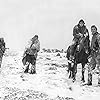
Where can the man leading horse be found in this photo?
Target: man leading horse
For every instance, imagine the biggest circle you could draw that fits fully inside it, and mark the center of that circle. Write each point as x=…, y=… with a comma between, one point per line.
x=95, y=55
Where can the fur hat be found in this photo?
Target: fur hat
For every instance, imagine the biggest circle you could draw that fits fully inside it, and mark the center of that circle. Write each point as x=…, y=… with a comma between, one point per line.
x=82, y=21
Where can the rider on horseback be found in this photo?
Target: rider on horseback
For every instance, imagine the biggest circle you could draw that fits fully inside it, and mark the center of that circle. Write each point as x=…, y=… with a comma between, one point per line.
x=79, y=55
x=80, y=32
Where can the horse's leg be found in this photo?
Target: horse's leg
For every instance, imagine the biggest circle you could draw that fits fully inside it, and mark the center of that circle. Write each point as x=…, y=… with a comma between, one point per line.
x=70, y=74
x=74, y=71
x=1, y=57
x=27, y=68
x=83, y=70
x=69, y=69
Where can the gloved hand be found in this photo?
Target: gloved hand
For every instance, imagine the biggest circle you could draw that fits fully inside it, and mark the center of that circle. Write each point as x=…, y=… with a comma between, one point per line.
x=86, y=34
x=80, y=34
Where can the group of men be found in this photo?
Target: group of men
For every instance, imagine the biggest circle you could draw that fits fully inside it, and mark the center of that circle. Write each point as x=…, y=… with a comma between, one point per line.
x=80, y=32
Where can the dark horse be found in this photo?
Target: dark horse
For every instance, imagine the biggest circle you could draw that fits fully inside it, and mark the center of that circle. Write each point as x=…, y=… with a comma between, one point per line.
x=79, y=56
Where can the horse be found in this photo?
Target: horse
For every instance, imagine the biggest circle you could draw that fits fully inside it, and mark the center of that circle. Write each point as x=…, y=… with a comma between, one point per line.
x=78, y=54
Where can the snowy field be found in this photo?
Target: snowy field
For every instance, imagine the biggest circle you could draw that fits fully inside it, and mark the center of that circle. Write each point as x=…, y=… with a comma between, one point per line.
x=49, y=83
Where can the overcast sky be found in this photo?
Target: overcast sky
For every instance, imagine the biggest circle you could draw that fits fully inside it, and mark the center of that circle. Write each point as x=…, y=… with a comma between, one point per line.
x=52, y=20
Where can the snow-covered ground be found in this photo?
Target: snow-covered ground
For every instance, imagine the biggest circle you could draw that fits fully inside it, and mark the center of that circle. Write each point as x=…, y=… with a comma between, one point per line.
x=50, y=83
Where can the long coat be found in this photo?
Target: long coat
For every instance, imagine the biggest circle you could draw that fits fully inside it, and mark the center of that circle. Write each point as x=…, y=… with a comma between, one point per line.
x=77, y=30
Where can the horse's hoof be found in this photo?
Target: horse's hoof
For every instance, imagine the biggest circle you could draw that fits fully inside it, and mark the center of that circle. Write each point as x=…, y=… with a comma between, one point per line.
x=33, y=72
x=83, y=81
x=89, y=84
x=26, y=71
x=73, y=80
x=69, y=77
x=98, y=83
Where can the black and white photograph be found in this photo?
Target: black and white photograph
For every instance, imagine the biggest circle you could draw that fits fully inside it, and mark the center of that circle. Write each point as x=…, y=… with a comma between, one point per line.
x=49, y=50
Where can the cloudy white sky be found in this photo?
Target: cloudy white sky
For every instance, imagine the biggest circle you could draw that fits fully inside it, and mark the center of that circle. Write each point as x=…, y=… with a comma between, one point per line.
x=52, y=20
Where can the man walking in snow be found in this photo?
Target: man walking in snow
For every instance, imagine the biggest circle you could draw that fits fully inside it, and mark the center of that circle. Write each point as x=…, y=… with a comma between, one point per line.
x=30, y=54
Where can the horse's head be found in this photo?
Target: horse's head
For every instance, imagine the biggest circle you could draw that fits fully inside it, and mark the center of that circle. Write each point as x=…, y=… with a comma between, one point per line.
x=71, y=52
x=84, y=45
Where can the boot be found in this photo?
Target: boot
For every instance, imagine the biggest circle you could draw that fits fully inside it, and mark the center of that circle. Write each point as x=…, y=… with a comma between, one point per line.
x=33, y=70
x=26, y=70
x=89, y=79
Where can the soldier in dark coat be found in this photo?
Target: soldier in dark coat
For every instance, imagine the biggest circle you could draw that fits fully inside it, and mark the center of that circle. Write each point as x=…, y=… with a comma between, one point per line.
x=80, y=32
x=95, y=54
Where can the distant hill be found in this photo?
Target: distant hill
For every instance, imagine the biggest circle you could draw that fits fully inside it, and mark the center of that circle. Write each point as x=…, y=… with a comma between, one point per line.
x=53, y=50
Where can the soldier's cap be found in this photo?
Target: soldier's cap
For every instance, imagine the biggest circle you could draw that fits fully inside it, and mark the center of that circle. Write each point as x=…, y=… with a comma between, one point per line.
x=36, y=36
x=2, y=39
x=93, y=26
x=82, y=21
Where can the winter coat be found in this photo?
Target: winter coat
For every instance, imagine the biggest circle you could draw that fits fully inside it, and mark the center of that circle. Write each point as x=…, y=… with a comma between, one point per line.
x=95, y=41
x=95, y=53
x=33, y=48
x=79, y=32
